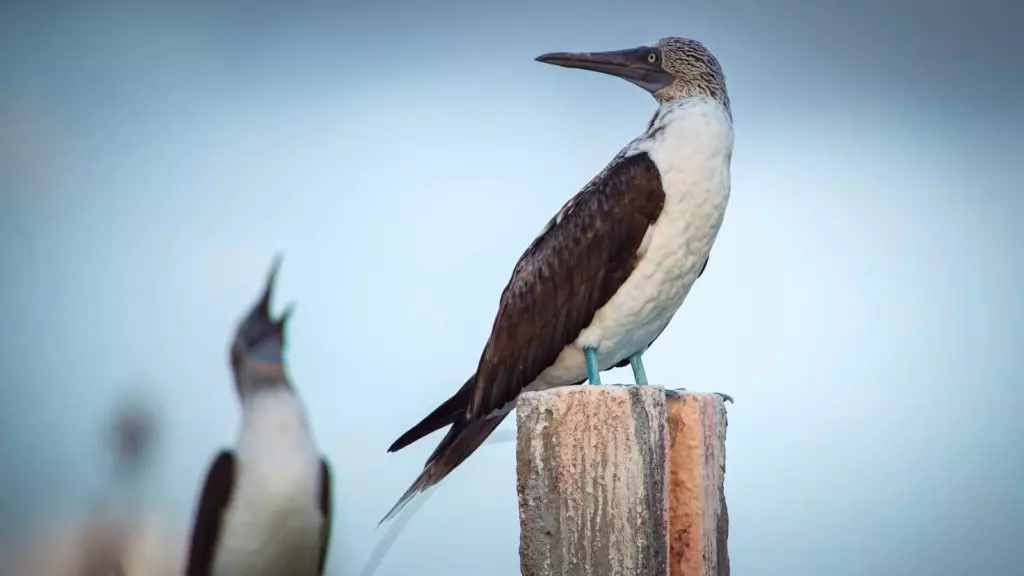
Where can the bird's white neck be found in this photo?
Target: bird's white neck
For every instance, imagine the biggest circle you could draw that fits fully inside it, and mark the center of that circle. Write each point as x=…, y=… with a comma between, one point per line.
x=274, y=411
x=684, y=129
x=674, y=110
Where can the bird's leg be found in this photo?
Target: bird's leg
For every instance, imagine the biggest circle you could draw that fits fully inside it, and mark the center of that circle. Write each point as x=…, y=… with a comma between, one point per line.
x=593, y=372
x=637, y=363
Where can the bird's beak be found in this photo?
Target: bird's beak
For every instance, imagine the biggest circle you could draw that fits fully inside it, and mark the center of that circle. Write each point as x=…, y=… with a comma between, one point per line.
x=631, y=64
x=259, y=329
x=286, y=314
x=259, y=315
x=263, y=307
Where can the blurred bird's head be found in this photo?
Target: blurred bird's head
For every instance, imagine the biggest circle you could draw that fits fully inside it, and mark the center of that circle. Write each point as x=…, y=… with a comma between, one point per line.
x=670, y=69
x=132, y=435
x=257, y=352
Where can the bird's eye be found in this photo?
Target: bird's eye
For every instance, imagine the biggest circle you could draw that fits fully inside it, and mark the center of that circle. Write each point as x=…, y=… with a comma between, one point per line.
x=652, y=57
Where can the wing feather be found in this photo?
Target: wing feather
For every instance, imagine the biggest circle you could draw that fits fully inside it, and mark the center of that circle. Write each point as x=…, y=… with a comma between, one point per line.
x=326, y=505
x=572, y=269
x=579, y=260
x=213, y=501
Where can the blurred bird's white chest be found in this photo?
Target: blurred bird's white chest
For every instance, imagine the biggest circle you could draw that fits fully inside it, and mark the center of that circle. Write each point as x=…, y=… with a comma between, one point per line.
x=273, y=524
x=691, y=144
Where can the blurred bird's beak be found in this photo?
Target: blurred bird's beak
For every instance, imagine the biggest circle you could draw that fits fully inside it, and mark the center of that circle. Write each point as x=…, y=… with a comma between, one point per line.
x=268, y=290
x=260, y=313
x=632, y=64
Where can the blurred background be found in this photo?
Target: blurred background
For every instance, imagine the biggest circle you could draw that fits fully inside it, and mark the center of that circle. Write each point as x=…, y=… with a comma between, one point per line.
x=862, y=303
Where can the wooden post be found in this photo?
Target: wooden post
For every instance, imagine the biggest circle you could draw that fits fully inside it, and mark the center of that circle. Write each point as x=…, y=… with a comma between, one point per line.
x=621, y=481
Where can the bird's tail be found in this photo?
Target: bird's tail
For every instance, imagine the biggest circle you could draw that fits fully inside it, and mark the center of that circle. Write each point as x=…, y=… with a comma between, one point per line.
x=461, y=440
x=450, y=411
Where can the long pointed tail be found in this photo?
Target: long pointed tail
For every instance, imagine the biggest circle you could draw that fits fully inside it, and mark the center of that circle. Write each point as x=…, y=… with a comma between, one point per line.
x=462, y=440
x=448, y=412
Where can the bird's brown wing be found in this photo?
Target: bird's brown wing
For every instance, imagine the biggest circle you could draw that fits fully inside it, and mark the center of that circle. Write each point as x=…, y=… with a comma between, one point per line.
x=569, y=272
x=326, y=508
x=212, y=503
x=571, y=269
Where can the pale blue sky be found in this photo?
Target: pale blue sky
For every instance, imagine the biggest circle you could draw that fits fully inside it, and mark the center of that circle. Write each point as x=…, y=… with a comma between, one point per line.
x=861, y=304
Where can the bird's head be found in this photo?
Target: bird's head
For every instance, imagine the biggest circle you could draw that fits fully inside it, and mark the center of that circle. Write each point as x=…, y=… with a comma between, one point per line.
x=132, y=436
x=257, y=352
x=670, y=69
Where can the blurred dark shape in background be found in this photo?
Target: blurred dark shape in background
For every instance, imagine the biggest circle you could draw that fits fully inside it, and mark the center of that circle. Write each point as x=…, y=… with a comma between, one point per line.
x=132, y=436
x=121, y=533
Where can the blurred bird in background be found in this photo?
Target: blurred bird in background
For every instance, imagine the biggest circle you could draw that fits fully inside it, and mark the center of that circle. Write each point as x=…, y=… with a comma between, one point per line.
x=121, y=535
x=265, y=506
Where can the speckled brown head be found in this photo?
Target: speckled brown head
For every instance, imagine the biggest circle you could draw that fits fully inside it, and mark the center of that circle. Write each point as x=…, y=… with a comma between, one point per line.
x=670, y=69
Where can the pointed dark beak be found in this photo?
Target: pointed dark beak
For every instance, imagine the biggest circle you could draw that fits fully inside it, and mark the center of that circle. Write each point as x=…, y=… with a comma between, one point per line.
x=259, y=334
x=263, y=306
x=286, y=314
x=259, y=320
x=632, y=64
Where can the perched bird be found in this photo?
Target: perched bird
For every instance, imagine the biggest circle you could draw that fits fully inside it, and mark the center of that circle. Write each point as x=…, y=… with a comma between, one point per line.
x=609, y=270
x=265, y=508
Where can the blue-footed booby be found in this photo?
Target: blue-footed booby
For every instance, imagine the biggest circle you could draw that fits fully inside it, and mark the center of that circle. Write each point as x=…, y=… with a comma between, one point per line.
x=265, y=507
x=606, y=274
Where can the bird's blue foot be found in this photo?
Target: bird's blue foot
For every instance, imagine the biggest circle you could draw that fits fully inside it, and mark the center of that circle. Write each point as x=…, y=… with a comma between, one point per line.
x=593, y=372
x=639, y=375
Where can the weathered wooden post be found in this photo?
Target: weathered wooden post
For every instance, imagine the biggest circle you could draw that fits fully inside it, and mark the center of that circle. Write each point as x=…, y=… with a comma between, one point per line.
x=622, y=481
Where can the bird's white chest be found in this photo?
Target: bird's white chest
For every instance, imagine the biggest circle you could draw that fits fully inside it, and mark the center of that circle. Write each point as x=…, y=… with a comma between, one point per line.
x=273, y=524
x=693, y=151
